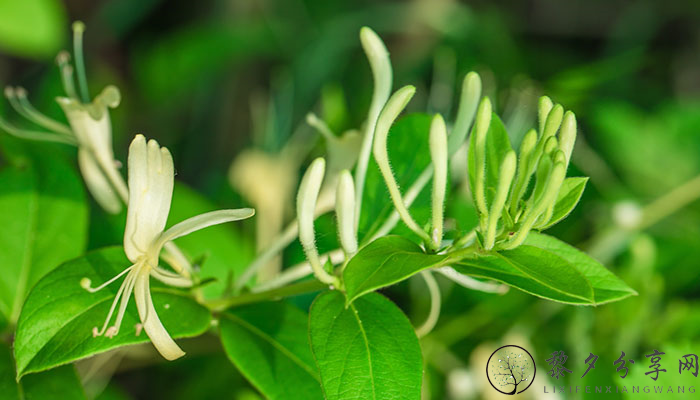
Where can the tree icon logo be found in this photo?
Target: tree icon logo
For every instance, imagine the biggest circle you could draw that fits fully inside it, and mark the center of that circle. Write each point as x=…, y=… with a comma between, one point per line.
x=511, y=369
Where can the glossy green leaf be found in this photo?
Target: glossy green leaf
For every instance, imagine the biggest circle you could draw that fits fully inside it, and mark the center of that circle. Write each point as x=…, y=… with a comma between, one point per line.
x=368, y=350
x=32, y=28
x=546, y=267
x=569, y=196
x=61, y=381
x=409, y=156
x=387, y=260
x=44, y=221
x=497, y=146
x=268, y=342
x=606, y=286
x=532, y=270
x=57, y=319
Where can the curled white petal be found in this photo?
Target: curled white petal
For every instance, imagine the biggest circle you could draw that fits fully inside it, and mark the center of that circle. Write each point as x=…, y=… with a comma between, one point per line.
x=97, y=182
x=155, y=330
x=151, y=178
x=202, y=221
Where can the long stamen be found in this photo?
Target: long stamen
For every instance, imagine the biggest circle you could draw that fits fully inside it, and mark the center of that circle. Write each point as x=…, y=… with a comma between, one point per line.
x=78, y=29
x=170, y=278
x=130, y=281
x=85, y=282
x=63, y=61
x=95, y=331
x=35, y=135
x=31, y=113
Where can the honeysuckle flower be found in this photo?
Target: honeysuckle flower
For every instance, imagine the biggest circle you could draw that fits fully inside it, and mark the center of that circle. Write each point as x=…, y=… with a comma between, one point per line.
x=151, y=177
x=90, y=127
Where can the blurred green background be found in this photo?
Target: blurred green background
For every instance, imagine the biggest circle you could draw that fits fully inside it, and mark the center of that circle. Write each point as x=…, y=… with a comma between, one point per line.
x=210, y=79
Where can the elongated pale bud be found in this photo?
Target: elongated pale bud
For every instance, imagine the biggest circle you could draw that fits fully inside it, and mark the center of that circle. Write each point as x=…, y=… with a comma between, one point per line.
x=380, y=64
x=505, y=178
x=481, y=127
x=558, y=158
x=567, y=135
x=526, y=166
x=551, y=145
x=550, y=129
x=438, y=153
x=553, y=122
x=345, y=212
x=391, y=111
x=551, y=191
x=543, y=170
x=306, y=205
x=544, y=107
x=468, y=101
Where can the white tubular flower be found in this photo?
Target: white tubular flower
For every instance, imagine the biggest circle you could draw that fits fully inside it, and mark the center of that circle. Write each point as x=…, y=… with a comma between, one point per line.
x=151, y=177
x=382, y=75
x=469, y=100
x=306, y=206
x=396, y=104
x=345, y=212
x=438, y=154
x=92, y=128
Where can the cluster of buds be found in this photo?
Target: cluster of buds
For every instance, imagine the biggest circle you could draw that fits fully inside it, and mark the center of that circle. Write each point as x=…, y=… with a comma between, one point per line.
x=89, y=126
x=507, y=200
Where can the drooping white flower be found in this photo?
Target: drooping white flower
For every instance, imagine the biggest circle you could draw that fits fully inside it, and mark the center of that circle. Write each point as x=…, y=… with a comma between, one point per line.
x=91, y=126
x=151, y=177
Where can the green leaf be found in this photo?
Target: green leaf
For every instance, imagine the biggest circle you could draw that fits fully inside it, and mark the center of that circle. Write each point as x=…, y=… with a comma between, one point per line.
x=387, y=260
x=409, y=156
x=32, y=28
x=366, y=351
x=546, y=267
x=497, y=146
x=532, y=270
x=606, y=286
x=57, y=319
x=569, y=196
x=46, y=385
x=268, y=343
x=44, y=223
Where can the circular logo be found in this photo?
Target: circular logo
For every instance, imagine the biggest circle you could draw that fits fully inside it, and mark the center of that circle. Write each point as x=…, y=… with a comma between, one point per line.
x=511, y=369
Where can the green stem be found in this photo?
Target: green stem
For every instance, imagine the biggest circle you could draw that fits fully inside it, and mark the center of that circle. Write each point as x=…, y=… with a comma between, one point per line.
x=670, y=203
x=287, y=291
